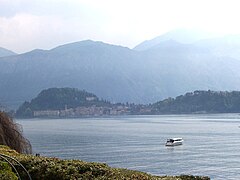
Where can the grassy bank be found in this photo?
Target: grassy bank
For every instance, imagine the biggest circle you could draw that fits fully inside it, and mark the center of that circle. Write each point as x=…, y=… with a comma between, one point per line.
x=41, y=168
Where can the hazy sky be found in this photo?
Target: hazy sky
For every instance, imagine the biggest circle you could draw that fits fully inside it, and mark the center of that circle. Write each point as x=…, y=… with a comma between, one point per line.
x=44, y=24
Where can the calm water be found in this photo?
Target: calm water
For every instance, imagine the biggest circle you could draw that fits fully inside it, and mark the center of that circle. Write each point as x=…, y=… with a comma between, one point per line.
x=211, y=146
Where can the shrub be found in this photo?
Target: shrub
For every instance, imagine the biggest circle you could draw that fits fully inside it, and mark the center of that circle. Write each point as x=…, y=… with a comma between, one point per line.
x=6, y=172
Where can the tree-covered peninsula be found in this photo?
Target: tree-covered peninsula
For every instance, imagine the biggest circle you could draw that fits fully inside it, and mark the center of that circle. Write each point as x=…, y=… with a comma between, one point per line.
x=53, y=100
x=69, y=102
x=199, y=102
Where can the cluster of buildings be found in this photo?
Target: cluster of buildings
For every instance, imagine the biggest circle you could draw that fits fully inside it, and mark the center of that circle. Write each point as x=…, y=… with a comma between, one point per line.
x=84, y=111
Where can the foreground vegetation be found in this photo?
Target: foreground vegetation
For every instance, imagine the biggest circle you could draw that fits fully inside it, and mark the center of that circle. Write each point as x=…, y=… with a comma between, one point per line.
x=53, y=168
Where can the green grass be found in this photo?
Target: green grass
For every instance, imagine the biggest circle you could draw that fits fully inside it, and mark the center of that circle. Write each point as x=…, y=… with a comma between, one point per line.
x=41, y=168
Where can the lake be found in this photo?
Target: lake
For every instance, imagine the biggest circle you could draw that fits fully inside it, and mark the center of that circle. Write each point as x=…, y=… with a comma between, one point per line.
x=211, y=142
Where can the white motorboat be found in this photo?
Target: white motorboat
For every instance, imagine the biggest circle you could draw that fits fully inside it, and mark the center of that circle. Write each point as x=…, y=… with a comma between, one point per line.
x=174, y=142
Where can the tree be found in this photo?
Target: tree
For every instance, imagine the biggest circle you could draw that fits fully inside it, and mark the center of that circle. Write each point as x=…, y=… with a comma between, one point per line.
x=11, y=135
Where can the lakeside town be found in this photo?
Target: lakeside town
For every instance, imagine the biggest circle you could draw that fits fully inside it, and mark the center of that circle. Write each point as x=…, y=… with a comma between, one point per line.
x=92, y=111
x=71, y=103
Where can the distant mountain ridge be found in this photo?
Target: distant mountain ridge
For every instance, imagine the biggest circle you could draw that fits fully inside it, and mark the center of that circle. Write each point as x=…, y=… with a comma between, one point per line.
x=183, y=36
x=120, y=74
x=5, y=52
x=95, y=66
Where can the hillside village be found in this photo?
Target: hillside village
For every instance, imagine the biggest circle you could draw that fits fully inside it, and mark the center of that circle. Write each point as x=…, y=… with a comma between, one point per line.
x=84, y=111
x=93, y=111
x=69, y=102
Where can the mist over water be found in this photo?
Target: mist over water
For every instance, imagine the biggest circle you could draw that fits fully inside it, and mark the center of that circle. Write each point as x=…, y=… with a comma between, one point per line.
x=210, y=148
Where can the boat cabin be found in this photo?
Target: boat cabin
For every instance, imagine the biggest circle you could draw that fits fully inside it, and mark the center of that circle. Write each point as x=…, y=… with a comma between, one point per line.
x=174, y=141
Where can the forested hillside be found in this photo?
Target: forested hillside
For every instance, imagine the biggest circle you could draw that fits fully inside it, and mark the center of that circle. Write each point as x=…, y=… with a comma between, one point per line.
x=200, y=102
x=59, y=99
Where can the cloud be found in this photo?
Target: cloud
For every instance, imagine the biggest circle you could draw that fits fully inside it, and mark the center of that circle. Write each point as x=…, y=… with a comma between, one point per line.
x=26, y=31
x=30, y=24
x=48, y=24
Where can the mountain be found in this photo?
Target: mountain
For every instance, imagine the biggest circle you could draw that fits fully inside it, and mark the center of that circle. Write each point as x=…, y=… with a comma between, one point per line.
x=228, y=45
x=119, y=74
x=180, y=35
x=6, y=52
x=111, y=72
